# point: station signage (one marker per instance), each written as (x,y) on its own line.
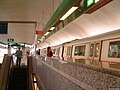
(90,2)
(93,5)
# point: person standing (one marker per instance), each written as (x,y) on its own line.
(49,52)
(18,54)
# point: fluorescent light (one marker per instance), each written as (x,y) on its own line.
(68,13)
(22,44)
(27,45)
(52,28)
(97,1)
(3,45)
(46,33)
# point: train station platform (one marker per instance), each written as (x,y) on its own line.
(54,74)
(49,73)
(76,47)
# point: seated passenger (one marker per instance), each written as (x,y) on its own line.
(114,54)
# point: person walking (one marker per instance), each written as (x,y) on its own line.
(18,54)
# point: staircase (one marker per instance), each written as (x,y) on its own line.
(18,79)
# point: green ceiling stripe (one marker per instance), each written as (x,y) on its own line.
(62,9)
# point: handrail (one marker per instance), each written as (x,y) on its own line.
(30,70)
(33,79)
(5,71)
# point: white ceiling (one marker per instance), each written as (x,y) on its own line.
(39,11)
(105,19)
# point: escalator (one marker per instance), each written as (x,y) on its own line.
(18,80)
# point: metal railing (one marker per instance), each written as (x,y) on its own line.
(5,71)
(32,81)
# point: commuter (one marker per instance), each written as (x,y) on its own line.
(114,54)
(49,52)
(28,53)
(18,54)
(38,52)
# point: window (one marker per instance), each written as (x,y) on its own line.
(54,51)
(114,49)
(97,49)
(91,49)
(79,50)
(57,51)
(69,50)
